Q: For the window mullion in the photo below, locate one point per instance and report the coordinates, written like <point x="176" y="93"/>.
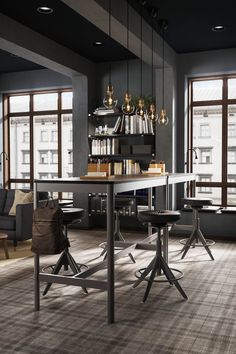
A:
<point x="224" y="141"/>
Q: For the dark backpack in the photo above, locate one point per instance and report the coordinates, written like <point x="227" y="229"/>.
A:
<point x="47" y="233"/>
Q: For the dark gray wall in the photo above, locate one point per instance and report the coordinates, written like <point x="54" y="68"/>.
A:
<point x="195" y="65"/>
<point x="191" y="65"/>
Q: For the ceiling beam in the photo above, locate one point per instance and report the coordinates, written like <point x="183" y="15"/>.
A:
<point x="30" y="45"/>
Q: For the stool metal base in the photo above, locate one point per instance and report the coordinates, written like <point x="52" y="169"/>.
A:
<point x="197" y="244"/>
<point x="158" y="266"/>
<point x="140" y="271"/>
<point x="104" y="251"/>
<point x="196" y="236"/>
<point x="65" y="260"/>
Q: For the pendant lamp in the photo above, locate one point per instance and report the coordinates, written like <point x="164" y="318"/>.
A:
<point x="110" y="100"/>
<point x="152" y="113"/>
<point x="128" y="107"/>
<point x="163" y="118"/>
<point x="141" y="109"/>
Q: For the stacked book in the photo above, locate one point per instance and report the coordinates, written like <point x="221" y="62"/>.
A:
<point x="102" y="111"/>
<point x="106" y="146"/>
<point x="134" y="124"/>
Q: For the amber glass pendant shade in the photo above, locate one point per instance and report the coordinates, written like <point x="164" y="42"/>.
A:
<point x="110" y="101"/>
<point x="128" y="107"/>
<point x="163" y="119"/>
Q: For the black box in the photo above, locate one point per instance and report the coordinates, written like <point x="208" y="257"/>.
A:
<point x="142" y="149"/>
<point x="125" y="149"/>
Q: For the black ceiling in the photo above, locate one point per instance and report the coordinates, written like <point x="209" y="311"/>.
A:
<point x="190" y="23"/>
<point x="66" y="27"/>
<point x="189" y="28"/>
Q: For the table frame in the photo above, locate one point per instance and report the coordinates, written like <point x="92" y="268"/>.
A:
<point x="111" y="186"/>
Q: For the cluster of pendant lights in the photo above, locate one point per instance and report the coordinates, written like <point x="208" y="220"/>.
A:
<point x="128" y="107"/>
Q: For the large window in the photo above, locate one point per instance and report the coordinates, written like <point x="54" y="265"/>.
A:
<point x="37" y="136"/>
<point x="212" y="135"/>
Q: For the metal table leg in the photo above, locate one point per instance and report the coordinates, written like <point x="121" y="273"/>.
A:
<point x="110" y="256"/>
<point x="36" y="283"/>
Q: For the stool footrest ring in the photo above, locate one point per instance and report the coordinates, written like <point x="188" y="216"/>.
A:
<point x="197" y="244"/>
<point x="52" y="266"/>
<point x="139" y="272"/>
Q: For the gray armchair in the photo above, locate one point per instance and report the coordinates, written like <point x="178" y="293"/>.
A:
<point x="18" y="227"/>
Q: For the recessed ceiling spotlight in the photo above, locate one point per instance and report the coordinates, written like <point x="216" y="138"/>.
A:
<point x="45" y="10"/>
<point x="218" y="28"/>
<point x="98" y="44"/>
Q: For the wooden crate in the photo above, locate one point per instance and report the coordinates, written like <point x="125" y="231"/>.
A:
<point x="102" y="167"/>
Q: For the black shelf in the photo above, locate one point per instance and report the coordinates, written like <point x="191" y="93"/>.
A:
<point x="101" y="136"/>
<point x="108" y="115"/>
<point x="129" y="156"/>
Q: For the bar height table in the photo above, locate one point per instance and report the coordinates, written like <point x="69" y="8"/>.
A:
<point x="111" y="185"/>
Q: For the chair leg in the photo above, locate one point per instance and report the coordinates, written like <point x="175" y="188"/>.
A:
<point x="4" y="242"/>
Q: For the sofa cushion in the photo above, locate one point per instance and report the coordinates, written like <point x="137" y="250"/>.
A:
<point x="3" y="196"/>
<point x="20" y="198"/>
<point x="9" y="201"/>
<point x="7" y="222"/>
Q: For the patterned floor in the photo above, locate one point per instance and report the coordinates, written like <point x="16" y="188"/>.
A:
<point x="72" y="322"/>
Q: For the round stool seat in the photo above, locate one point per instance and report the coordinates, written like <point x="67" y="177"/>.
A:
<point x="197" y="202"/>
<point x="159" y="217"/>
<point x="72" y="214"/>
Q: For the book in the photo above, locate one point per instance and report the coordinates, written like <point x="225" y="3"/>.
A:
<point x="117" y="125"/>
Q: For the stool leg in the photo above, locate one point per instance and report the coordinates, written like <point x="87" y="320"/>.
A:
<point x="188" y="244"/>
<point x="4" y="242"/>
<point x="144" y="273"/>
<point x="75" y="268"/>
<point x="201" y="237"/>
<point x="150" y="280"/>
<point x="195" y="236"/>
<point x="56" y="270"/>
<point x="117" y="237"/>
<point x="170" y="276"/>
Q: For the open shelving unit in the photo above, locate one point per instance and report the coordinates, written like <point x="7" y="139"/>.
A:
<point x="128" y="146"/>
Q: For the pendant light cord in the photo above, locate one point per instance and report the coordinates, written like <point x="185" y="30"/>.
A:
<point x="163" y="68"/>
<point x="109" y="31"/>
<point x="141" y="56"/>
<point x="152" y="61"/>
<point x="127" y="62"/>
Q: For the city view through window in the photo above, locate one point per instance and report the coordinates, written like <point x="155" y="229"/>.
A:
<point x="40" y="138"/>
<point x="213" y="139"/>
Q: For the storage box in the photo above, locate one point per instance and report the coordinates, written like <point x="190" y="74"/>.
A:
<point x="100" y="167"/>
<point x="160" y="165"/>
<point x="142" y="149"/>
<point x="125" y="149"/>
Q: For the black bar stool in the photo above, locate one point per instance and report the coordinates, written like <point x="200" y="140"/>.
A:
<point x="196" y="234"/>
<point x="120" y="205"/>
<point x="158" y="219"/>
<point x="70" y="216"/>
